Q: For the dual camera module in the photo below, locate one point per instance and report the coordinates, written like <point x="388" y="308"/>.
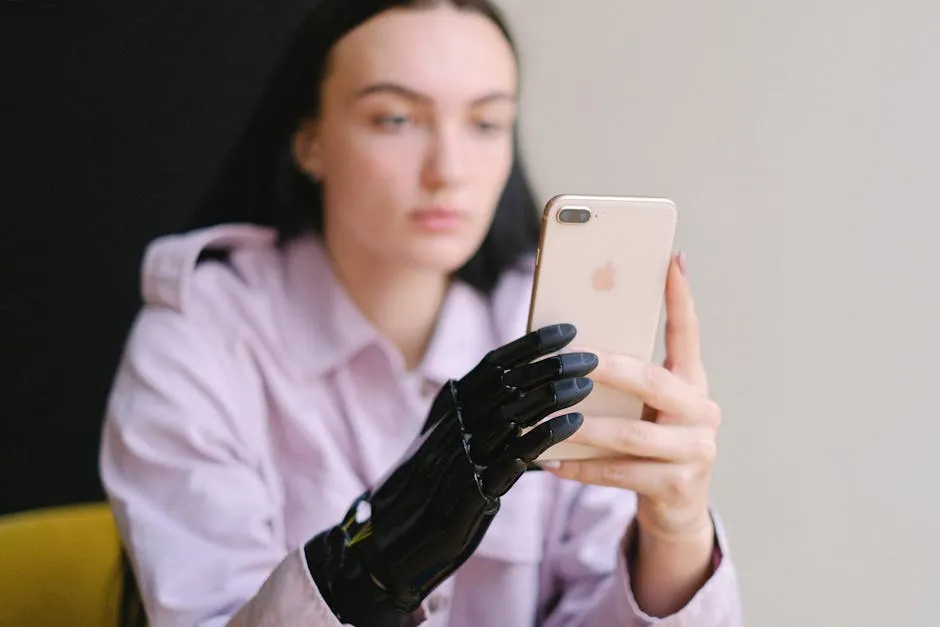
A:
<point x="574" y="215"/>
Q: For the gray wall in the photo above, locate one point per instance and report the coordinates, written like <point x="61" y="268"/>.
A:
<point x="800" y="141"/>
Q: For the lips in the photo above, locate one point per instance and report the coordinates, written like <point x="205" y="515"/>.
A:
<point x="437" y="219"/>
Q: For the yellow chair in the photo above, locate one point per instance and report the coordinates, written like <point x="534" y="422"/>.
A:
<point x="60" y="566"/>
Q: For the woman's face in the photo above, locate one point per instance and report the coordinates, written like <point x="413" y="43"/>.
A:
<point x="413" y="145"/>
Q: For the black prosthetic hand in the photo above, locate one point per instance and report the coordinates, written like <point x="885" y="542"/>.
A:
<point x="401" y="540"/>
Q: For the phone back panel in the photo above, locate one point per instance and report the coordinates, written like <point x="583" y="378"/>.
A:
<point x="606" y="276"/>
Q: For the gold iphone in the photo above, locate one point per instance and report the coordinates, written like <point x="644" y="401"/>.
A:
<point x="601" y="266"/>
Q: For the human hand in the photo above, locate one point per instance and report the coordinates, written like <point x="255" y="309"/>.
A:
<point x="667" y="457"/>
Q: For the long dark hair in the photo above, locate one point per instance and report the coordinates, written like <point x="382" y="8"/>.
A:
<point x="259" y="182"/>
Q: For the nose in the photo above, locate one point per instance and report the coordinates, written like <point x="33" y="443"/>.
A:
<point x="445" y="162"/>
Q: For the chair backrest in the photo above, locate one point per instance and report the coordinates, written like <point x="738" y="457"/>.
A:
<point x="60" y="566"/>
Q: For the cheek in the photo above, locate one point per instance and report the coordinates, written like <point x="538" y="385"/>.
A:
<point x="494" y="167"/>
<point x="371" y="178"/>
<point x="391" y="166"/>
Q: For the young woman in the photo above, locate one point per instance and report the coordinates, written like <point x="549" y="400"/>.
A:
<point x="318" y="414"/>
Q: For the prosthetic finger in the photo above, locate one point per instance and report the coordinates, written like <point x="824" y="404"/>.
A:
<point x="533" y="345"/>
<point x="523" y="409"/>
<point x="546" y="400"/>
<point x="544" y="436"/>
<point x="500" y="476"/>
<point x="488" y="438"/>
<point x="540" y="372"/>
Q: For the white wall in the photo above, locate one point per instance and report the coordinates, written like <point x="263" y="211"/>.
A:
<point x="800" y="140"/>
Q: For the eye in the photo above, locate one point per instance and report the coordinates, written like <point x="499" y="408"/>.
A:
<point x="391" y="122"/>
<point x="489" y="127"/>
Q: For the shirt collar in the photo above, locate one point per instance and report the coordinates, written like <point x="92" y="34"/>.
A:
<point x="463" y="335"/>
<point x="327" y="330"/>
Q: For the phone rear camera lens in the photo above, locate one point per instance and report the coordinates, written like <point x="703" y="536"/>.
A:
<point x="574" y="216"/>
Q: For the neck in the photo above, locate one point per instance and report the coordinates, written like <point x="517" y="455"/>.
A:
<point x="401" y="302"/>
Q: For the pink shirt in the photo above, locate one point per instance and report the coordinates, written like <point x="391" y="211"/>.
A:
<point x="254" y="403"/>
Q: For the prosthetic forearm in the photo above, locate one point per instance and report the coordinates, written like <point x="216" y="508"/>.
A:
<point x="401" y="540"/>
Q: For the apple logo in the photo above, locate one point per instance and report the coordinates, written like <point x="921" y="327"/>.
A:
<point x="602" y="279"/>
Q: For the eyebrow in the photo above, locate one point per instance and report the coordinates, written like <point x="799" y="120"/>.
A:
<point x="411" y="94"/>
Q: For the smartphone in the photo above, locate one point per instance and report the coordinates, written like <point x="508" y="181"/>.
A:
<point x="601" y="266"/>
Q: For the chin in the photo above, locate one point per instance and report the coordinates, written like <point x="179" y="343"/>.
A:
<point x="445" y="257"/>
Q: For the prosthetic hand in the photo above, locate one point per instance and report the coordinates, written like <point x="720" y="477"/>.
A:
<point x="401" y="540"/>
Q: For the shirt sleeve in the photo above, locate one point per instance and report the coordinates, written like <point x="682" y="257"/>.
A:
<point x="590" y="578"/>
<point x="194" y="503"/>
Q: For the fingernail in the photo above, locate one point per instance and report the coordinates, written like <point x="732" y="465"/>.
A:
<point x="683" y="263"/>
<point x="550" y="465"/>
